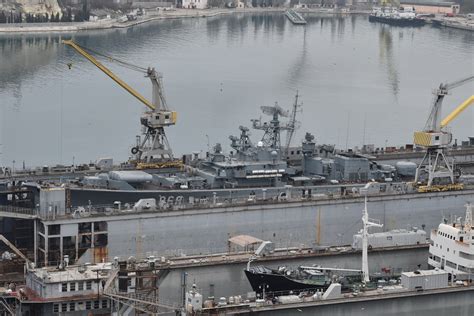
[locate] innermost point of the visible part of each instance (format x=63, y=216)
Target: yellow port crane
x=435, y=139
x=153, y=151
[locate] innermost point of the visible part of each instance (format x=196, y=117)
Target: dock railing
x=17, y=212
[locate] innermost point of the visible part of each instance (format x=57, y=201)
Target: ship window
x=64, y=287
x=72, y=306
x=84, y=228
x=389, y=237
x=80, y=286
x=85, y=241
x=69, y=243
x=100, y=240
x=104, y=304
x=167, y=117
x=88, y=285
x=41, y=227
x=88, y=305
x=100, y=226
x=54, y=229
x=63, y=307
x=56, y=308
x=96, y=304
x=72, y=286
x=436, y=137
x=41, y=242
x=461, y=239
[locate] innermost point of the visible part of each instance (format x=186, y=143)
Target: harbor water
x=360, y=82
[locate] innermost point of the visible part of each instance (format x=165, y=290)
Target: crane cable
x=113, y=59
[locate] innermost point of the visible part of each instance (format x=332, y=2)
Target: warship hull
x=397, y=21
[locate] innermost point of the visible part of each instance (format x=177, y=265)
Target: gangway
x=295, y=17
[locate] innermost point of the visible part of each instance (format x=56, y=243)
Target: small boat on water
x=402, y=17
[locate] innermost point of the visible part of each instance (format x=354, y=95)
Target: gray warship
x=254, y=191
x=164, y=206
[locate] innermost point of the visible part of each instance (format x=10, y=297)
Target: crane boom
x=457, y=111
x=433, y=123
x=458, y=83
x=109, y=73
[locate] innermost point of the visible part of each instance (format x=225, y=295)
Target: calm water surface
x=359, y=82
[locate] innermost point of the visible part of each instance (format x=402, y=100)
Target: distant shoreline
x=151, y=16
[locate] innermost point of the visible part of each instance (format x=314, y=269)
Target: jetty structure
x=295, y=17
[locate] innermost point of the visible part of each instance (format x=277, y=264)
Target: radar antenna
x=272, y=129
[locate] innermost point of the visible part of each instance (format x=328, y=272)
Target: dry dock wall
x=229, y=279
x=455, y=303
x=286, y=224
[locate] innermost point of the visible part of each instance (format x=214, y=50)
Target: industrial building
x=432, y=7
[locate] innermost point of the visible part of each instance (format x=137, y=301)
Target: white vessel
x=452, y=247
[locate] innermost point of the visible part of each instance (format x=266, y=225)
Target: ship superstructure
x=452, y=247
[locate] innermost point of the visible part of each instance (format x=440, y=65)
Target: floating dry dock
x=98, y=288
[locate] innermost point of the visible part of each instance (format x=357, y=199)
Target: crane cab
x=156, y=119
x=432, y=139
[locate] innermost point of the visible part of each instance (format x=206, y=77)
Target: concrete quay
x=150, y=16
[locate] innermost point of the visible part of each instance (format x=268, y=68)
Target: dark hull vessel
x=263, y=279
x=397, y=21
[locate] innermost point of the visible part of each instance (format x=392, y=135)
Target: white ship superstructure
x=452, y=247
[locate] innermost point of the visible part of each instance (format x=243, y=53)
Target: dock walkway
x=295, y=17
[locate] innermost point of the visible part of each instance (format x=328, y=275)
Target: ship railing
x=19, y=211
x=273, y=295
x=6, y=308
x=300, y=292
x=235, y=198
x=109, y=209
x=134, y=299
x=203, y=255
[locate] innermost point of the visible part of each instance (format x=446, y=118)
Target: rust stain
x=101, y=254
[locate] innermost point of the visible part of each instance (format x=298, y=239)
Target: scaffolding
x=133, y=288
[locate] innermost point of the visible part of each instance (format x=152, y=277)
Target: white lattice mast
x=468, y=220
x=367, y=223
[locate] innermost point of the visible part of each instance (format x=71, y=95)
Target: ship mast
x=468, y=221
x=292, y=123
x=367, y=222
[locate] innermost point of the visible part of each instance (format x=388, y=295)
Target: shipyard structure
x=288, y=195
x=71, y=222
